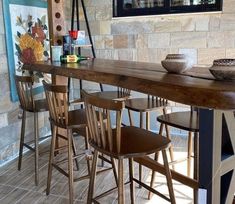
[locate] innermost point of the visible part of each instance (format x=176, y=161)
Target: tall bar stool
x=146, y=106
x=72, y=121
x=61, y=117
x=120, y=143
x=29, y=104
x=188, y=121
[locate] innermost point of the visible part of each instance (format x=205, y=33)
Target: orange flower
x=28, y=56
x=26, y=41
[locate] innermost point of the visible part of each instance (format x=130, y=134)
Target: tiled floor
x=18, y=186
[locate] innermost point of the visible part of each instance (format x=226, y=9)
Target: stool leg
x=156, y=156
x=196, y=137
x=70, y=165
x=114, y=170
x=75, y=153
x=102, y=161
x=195, y=171
x=87, y=147
x=132, y=186
x=51, y=158
x=130, y=117
x=169, y=137
x=22, y=139
x=170, y=148
x=147, y=120
x=140, y=166
x=92, y=177
x=121, y=195
x=141, y=120
x=168, y=177
x=189, y=157
x=156, y=159
x=36, y=133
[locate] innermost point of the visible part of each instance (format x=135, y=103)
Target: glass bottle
x=72, y=58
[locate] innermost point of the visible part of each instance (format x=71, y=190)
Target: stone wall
x=204, y=36
x=10, y=123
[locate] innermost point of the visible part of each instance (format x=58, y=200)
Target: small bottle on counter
x=72, y=58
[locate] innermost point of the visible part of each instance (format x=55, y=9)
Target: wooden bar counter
x=216, y=100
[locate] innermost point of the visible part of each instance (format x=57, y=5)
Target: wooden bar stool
x=188, y=121
x=61, y=117
x=120, y=143
x=72, y=121
x=145, y=106
x=24, y=85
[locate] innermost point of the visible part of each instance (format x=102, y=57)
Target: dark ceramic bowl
x=223, y=69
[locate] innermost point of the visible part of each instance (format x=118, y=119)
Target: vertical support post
x=56, y=27
x=76, y=5
x=72, y=16
x=216, y=155
x=88, y=28
x=217, y=151
x=56, y=21
x=89, y=34
x=206, y=119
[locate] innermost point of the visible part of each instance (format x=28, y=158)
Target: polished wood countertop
x=196, y=87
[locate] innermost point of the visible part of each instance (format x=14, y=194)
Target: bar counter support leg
x=216, y=156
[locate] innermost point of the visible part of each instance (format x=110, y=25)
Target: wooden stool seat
x=144, y=104
x=40, y=105
x=112, y=95
x=76, y=119
x=81, y=131
x=183, y=120
x=132, y=143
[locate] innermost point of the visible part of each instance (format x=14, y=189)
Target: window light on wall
x=123, y=8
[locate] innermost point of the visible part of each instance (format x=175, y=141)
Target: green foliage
x=43, y=20
x=18, y=34
x=18, y=49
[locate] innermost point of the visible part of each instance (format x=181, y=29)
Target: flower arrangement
x=31, y=50
x=32, y=45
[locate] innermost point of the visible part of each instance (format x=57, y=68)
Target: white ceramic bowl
x=176, y=63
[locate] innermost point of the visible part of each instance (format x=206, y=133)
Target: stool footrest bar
x=109, y=191
x=151, y=189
